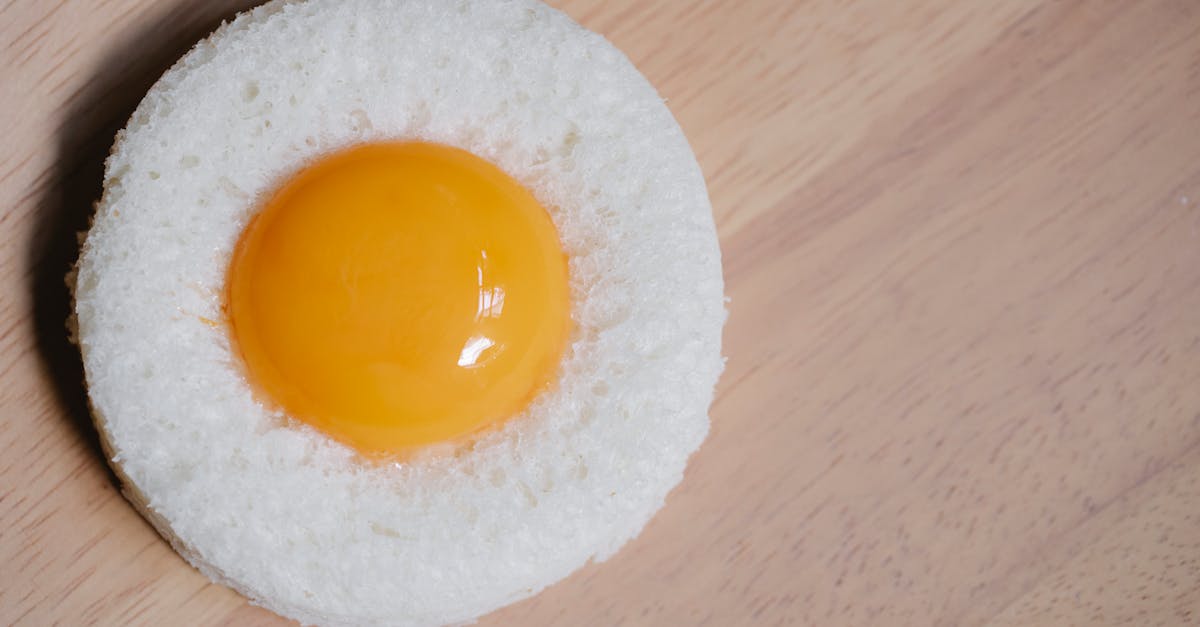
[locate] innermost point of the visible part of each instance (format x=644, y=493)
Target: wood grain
x=962, y=242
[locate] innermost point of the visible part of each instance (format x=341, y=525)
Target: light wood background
x=962, y=242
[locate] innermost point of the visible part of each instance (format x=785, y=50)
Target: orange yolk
x=399, y=294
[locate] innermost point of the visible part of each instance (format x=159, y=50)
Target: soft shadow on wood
x=130, y=60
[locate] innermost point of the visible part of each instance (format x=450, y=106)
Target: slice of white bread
x=282, y=514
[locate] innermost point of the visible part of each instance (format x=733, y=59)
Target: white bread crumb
x=290, y=518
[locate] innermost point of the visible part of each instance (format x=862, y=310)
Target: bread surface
x=289, y=518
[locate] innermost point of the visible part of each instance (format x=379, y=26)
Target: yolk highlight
x=400, y=294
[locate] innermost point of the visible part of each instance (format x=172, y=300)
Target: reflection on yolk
x=399, y=294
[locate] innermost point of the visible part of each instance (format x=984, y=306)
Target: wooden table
x=962, y=242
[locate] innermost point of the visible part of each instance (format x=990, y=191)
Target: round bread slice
x=299, y=523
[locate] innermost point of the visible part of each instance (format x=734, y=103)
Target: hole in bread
x=527, y=492
x=250, y=91
x=384, y=530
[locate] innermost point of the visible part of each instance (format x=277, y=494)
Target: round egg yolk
x=395, y=295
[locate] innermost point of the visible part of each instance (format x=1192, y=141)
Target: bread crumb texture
x=282, y=514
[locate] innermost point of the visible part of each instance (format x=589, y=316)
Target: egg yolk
x=395, y=295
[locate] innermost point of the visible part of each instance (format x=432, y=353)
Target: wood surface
x=962, y=243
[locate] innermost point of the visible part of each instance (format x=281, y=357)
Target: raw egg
x=400, y=294
x=394, y=312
